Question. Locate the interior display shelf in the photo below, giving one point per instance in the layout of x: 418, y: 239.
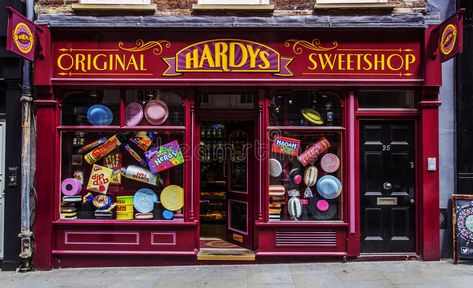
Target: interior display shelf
x: 112, y: 222
x: 117, y: 128
x: 311, y: 128
x: 302, y: 223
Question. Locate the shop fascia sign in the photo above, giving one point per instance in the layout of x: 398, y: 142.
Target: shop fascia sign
x: 232, y: 56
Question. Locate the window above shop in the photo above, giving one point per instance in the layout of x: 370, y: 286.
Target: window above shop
x: 234, y: 2
x: 123, y: 2
x: 130, y: 6
x: 259, y: 6
x: 381, y: 99
x: 354, y: 4
x: 350, y: 1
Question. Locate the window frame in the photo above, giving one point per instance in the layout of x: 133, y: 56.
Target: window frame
x: 233, y: 2
x: 351, y: 1
x: 115, y: 2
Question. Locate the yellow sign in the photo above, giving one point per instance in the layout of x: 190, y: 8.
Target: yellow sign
x: 23, y: 37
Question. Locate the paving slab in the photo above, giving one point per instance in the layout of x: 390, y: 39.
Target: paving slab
x: 388, y: 274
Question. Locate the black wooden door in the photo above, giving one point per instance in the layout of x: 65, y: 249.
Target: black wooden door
x: 387, y: 191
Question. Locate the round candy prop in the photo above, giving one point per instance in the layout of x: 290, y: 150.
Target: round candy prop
x: 275, y: 167
x: 172, y: 197
x: 71, y: 187
x: 99, y: 115
x: 134, y: 114
x: 329, y: 187
x: 144, y: 200
x: 330, y: 163
x: 168, y: 215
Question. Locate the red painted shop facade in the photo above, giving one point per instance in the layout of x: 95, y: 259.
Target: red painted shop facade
x: 161, y: 147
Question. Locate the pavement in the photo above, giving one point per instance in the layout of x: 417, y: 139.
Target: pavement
x: 403, y: 274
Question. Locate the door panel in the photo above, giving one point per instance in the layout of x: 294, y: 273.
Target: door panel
x: 2, y: 184
x: 387, y: 187
x: 240, y: 185
x: 374, y: 162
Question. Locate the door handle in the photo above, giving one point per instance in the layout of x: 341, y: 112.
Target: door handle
x: 387, y: 186
x: 413, y: 201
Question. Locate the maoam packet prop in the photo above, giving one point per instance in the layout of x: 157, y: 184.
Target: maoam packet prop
x: 164, y: 157
x: 285, y: 145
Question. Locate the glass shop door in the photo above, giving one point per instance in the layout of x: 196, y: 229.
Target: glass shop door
x: 239, y: 189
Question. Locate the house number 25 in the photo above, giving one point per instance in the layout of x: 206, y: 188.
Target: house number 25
x: 386, y: 147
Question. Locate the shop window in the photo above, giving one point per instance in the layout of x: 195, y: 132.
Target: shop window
x: 306, y: 159
x: 403, y: 99
x: 305, y: 108
x: 122, y: 155
x: 227, y: 101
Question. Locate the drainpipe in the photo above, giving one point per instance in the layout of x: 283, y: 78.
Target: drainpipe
x: 26, y: 234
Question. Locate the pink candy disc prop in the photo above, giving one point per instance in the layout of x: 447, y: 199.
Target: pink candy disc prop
x: 156, y: 112
x: 71, y: 187
x: 134, y: 114
x: 322, y: 205
x: 330, y: 163
x: 298, y: 179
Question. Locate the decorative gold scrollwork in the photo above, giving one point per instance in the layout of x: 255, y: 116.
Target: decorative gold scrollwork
x: 157, y: 46
x: 314, y: 45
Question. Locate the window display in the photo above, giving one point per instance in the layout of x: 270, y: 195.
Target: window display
x: 113, y: 171
x: 305, y: 171
x: 307, y: 187
x: 305, y: 108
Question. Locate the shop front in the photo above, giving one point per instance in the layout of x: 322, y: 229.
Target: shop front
x: 187, y: 146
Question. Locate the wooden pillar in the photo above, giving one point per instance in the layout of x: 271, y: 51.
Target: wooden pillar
x: 45, y: 185
x: 429, y: 211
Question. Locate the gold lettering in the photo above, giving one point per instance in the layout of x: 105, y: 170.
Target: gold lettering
x: 378, y: 61
x: 312, y: 60
x: 206, y: 56
x: 263, y: 55
x: 340, y: 62
x: 142, y: 63
x: 233, y: 53
x: 89, y: 62
x: 253, y: 55
x: 60, y: 64
x: 390, y: 64
x: 368, y: 62
x: 119, y: 62
x: 194, y: 58
x: 358, y: 61
x: 104, y: 64
x: 132, y: 61
x: 110, y: 62
x: 349, y: 62
x: 221, y: 60
x: 80, y: 61
x: 328, y: 61
x: 410, y: 59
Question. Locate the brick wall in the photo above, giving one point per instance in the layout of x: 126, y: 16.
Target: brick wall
x: 184, y: 7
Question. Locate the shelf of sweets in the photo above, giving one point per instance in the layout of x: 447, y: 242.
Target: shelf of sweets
x: 213, y: 195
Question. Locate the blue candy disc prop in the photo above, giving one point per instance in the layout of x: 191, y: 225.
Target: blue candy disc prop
x: 168, y: 215
x: 144, y: 200
x: 329, y: 187
x: 99, y: 115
